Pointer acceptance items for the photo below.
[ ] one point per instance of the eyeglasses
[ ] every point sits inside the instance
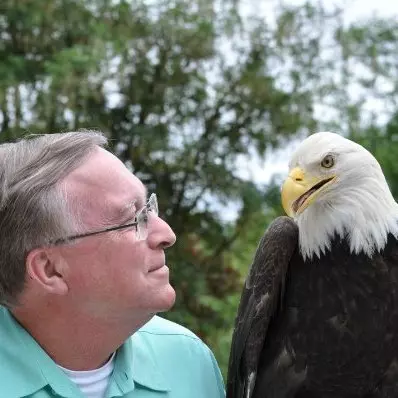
(140, 223)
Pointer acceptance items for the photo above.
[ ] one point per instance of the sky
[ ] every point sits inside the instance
(276, 162)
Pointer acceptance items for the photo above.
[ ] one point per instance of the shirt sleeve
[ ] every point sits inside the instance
(219, 388)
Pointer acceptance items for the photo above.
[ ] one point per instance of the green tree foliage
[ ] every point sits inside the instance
(183, 89)
(368, 86)
(368, 110)
(383, 144)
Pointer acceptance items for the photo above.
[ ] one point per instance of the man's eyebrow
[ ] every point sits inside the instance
(132, 206)
(121, 214)
(126, 211)
(129, 208)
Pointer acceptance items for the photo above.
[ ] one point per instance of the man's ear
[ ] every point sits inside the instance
(47, 269)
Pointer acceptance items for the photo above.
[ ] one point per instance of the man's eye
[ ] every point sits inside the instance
(143, 217)
(130, 222)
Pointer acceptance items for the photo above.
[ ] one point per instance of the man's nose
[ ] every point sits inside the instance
(160, 236)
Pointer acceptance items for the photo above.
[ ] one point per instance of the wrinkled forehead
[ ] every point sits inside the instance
(103, 190)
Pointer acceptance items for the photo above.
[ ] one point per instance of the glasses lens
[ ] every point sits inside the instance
(150, 209)
(153, 204)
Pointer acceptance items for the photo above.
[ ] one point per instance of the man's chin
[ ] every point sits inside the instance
(169, 299)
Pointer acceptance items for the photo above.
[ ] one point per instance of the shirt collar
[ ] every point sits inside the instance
(136, 364)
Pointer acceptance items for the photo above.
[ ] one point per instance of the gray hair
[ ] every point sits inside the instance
(33, 204)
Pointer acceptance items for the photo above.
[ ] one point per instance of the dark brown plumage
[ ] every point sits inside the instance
(320, 328)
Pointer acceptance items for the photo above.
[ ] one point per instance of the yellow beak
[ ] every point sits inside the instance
(300, 190)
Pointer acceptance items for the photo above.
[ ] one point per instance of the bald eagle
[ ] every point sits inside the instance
(318, 316)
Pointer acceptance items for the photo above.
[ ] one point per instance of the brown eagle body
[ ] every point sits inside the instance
(315, 329)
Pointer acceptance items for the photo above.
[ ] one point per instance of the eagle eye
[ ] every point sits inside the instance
(327, 161)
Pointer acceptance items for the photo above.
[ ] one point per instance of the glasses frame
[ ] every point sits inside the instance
(152, 204)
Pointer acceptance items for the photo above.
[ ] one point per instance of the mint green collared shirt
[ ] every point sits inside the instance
(161, 360)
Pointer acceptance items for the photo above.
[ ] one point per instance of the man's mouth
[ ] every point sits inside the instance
(153, 269)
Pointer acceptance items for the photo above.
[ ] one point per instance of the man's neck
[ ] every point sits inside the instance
(74, 341)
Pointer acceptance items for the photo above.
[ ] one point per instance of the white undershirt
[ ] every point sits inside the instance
(92, 383)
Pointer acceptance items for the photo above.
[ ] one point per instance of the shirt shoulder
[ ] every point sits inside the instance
(160, 326)
(185, 362)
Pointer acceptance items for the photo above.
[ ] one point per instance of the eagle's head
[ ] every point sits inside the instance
(336, 187)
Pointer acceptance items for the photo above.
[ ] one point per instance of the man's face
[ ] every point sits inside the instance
(113, 274)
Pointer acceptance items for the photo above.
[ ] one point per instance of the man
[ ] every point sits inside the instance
(82, 275)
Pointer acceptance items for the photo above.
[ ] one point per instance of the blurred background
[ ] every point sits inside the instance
(205, 100)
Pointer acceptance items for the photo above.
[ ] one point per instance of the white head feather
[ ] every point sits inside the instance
(358, 206)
